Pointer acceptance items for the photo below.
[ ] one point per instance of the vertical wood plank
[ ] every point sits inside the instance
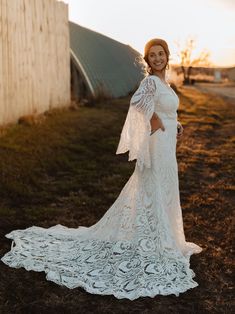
(4, 60)
(34, 57)
(1, 66)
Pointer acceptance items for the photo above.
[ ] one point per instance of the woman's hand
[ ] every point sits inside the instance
(180, 129)
(156, 123)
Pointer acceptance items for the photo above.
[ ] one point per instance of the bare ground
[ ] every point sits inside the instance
(225, 90)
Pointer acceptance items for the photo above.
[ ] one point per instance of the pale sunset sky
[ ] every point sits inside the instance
(210, 22)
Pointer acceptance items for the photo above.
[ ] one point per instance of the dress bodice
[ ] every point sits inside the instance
(166, 101)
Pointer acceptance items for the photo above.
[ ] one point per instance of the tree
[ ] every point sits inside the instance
(187, 61)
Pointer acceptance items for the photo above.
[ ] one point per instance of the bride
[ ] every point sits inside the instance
(138, 248)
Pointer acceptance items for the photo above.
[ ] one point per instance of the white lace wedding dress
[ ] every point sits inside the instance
(138, 247)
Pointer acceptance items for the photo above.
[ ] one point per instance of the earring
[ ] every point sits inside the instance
(167, 66)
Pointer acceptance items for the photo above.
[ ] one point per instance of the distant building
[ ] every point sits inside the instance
(217, 75)
(101, 66)
(231, 74)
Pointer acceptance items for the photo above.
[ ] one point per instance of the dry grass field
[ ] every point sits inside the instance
(64, 170)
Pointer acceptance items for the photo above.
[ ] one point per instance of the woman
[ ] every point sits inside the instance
(138, 247)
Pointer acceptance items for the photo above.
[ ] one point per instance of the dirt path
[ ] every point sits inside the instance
(227, 91)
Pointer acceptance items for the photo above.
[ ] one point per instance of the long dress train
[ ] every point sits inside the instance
(138, 247)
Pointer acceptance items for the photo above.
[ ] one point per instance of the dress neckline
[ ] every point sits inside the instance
(166, 84)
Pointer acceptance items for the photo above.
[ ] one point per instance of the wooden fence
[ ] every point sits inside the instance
(34, 57)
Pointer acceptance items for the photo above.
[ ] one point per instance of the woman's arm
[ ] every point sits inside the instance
(143, 99)
(156, 123)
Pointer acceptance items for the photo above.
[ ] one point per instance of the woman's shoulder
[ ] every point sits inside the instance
(150, 77)
(150, 81)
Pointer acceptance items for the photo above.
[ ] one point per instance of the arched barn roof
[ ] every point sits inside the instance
(104, 62)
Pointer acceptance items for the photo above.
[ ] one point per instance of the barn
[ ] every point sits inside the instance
(101, 66)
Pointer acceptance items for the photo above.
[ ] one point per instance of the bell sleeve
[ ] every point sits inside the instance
(135, 135)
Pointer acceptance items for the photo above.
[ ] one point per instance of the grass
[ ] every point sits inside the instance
(64, 170)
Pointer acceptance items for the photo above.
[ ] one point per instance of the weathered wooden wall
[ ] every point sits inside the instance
(34, 57)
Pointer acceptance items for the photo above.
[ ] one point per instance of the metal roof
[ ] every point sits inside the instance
(104, 62)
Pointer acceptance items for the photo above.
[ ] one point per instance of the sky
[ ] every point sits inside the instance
(210, 22)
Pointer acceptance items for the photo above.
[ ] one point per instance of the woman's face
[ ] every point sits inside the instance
(157, 58)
